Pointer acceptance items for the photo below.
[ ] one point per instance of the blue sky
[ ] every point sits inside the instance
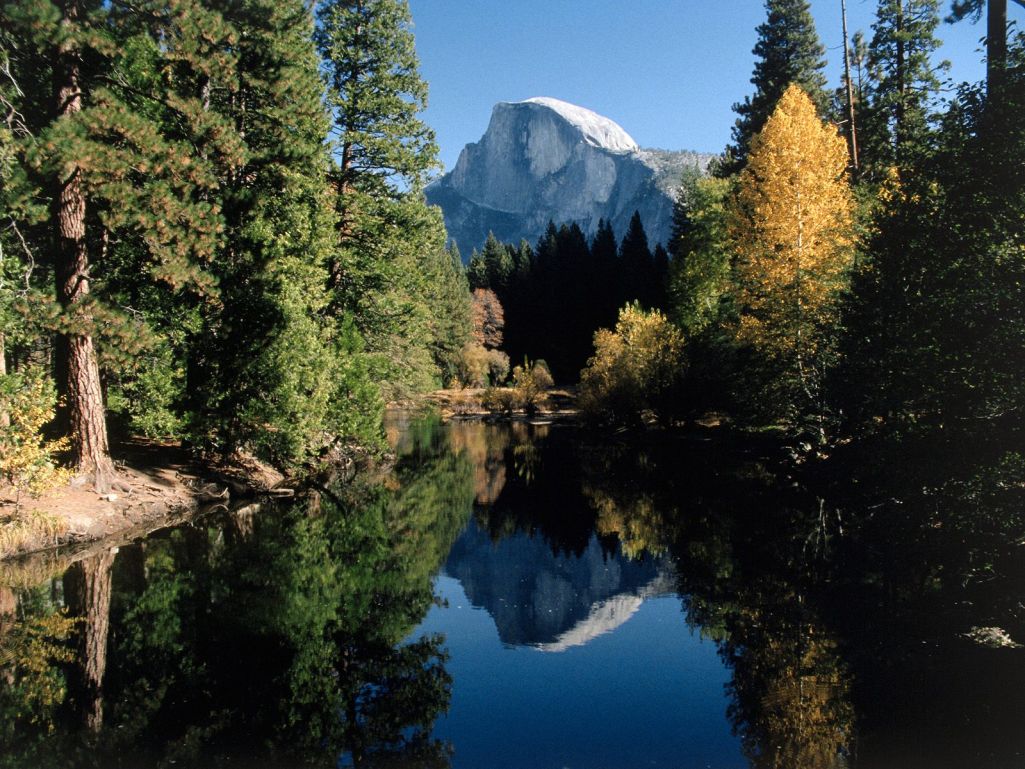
(668, 71)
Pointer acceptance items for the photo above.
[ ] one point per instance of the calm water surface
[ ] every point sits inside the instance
(524, 596)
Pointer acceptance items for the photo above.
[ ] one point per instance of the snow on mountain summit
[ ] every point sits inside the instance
(598, 130)
(544, 160)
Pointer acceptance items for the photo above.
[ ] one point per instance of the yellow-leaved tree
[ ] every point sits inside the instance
(638, 367)
(791, 228)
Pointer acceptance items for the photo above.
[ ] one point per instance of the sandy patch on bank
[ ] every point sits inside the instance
(156, 481)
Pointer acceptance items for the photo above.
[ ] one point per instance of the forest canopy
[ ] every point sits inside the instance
(215, 234)
(214, 223)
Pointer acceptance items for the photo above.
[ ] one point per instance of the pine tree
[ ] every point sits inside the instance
(636, 262)
(264, 373)
(546, 251)
(682, 203)
(498, 261)
(701, 291)
(660, 271)
(182, 57)
(380, 145)
(859, 61)
(603, 244)
(606, 278)
(518, 300)
(904, 84)
(791, 232)
(477, 270)
(524, 259)
(788, 52)
(19, 202)
(448, 293)
(700, 267)
(570, 300)
(116, 138)
(936, 317)
(375, 94)
(382, 154)
(996, 34)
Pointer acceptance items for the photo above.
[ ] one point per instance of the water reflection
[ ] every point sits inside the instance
(87, 587)
(552, 601)
(844, 606)
(265, 638)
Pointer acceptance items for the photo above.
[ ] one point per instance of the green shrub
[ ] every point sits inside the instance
(147, 398)
(479, 366)
(473, 365)
(501, 400)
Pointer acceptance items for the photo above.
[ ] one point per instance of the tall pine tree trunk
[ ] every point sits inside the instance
(852, 134)
(901, 76)
(5, 418)
(78, 370)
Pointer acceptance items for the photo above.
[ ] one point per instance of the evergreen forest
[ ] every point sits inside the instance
(214, 235)
(214, 229)
(766, 478)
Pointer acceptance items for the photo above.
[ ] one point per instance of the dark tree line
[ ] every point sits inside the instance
(558, 293)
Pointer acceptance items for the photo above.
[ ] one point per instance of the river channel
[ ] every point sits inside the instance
(531, 596)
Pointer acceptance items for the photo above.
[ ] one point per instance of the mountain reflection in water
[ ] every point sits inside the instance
(552, 600)
(708, 611)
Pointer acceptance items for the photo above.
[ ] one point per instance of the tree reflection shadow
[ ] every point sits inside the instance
(841, 597)
(269, 639)
(836, 594)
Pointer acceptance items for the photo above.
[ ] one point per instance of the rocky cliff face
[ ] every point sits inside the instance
(543, 159)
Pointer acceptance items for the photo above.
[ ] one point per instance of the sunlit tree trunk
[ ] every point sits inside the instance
(5, 418)
(78, 370)
(87, 588)
(852, 134)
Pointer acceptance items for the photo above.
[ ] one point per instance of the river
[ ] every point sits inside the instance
(536, 597)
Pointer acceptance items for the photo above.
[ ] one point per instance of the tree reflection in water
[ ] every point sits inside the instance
(841, 599)
(87, 596)
(839, 596)
(265, 639)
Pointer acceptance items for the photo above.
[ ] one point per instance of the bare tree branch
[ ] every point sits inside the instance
(30, 265)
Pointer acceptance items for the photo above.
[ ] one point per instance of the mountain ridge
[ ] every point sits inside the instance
(544, 159)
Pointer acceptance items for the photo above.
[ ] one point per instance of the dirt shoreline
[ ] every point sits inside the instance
(158, 485)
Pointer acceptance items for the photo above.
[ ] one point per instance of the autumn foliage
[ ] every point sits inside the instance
(636, 368)
(26, 458)
(791, 232)
(488, 318)
(480, 360)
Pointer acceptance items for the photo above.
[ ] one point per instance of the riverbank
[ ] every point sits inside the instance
(558, 403)
(158, 482)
